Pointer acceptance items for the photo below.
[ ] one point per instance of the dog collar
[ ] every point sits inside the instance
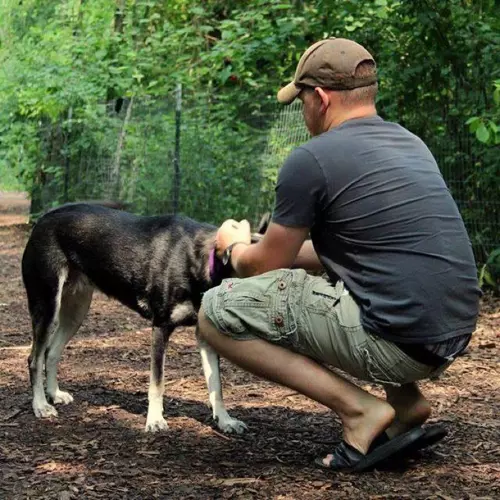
(218, 271)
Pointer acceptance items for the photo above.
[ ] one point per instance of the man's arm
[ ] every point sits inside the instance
(281, 247)
(300, 194)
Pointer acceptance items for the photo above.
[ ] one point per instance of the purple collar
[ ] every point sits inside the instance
(218, 271)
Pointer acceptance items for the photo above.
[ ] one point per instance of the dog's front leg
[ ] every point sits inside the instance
(155, 421)
(211, 370)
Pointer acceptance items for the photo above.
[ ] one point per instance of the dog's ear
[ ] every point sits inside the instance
(262, 227)
(264, 223)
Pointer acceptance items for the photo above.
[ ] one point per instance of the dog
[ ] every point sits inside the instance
(158, 266)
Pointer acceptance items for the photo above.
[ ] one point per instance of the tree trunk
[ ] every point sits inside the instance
(115, 168)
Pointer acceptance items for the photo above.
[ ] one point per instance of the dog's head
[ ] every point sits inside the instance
(218, 271)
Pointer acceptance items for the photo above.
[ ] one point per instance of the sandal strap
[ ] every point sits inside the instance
(345, 456)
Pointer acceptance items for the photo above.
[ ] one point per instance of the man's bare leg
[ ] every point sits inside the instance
(410, 405)
(363, 416)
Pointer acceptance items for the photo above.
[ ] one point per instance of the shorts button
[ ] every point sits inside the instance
(281, 285)
(278, 320)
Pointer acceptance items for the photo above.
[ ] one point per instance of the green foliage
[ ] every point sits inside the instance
(489, 277)
(64, 66)
(486, 127)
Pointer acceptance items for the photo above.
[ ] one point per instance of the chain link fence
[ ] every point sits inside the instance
(169, 155)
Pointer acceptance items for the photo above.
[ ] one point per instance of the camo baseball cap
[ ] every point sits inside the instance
(331, 64)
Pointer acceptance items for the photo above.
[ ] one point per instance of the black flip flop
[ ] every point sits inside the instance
(432, 435)
(346, 458)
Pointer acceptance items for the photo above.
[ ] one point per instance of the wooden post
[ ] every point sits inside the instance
(177, 152)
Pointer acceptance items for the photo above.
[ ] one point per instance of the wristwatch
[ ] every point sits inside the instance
(226, 256)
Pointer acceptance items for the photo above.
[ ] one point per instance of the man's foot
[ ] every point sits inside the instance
(346, 458)
(412, 408)
(432, 435)
(360, 431)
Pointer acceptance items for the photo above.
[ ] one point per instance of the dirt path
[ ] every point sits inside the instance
(96, 448)
(14, 208)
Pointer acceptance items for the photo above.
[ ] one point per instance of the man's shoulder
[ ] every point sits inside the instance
(351, 134)
(301, 155)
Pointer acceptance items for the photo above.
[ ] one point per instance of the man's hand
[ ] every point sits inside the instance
(231, 232)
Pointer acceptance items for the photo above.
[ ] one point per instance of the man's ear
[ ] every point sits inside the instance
(325, 99)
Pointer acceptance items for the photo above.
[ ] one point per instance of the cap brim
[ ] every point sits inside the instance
(288, 94)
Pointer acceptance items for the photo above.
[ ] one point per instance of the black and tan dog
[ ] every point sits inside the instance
(158, 266)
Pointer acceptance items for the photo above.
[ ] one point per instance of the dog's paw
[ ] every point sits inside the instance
(157, 425)
(62, 397)
(44, 411)
(231, 425)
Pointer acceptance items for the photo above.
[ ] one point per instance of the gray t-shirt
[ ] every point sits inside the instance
(382, 220)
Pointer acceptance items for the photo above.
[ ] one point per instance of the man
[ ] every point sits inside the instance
(401, 301)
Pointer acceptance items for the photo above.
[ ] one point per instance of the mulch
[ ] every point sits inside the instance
(97, 447)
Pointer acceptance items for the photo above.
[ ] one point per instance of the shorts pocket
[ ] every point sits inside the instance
(322, 296)
(348, 312)
(242, 311)
(282, 315)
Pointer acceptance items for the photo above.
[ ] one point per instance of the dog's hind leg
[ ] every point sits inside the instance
(75, 302)
(211, 370)
(155, 421)
(44, 303)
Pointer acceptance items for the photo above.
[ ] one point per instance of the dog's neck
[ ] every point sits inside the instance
(218, 271)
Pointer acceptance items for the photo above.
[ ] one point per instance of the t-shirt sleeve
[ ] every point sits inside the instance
(300, 188)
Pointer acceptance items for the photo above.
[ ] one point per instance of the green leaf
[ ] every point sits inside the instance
(225, 73)
(473, 123)
(496, 96)
(482, 133)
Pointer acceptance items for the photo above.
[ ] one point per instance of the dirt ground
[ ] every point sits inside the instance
(97, 447)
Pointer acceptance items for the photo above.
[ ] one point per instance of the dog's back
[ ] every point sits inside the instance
(128, 257)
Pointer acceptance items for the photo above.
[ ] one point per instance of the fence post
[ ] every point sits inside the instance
(67, 155)
(177, 152)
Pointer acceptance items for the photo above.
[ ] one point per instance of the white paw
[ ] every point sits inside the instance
(62, 397)
(44, 410)
(156, 425)
(230, 425)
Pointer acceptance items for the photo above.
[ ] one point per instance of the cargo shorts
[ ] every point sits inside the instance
(311, 316)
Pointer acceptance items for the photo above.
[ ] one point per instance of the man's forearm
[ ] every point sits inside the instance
(247, 260)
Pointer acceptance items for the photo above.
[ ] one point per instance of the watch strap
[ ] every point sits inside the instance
(226, 256)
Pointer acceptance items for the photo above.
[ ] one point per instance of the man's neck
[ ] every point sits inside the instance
(342, 116)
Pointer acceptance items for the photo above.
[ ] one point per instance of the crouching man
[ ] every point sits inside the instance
(401, 298)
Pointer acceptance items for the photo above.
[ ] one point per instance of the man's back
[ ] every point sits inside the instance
(386, 224)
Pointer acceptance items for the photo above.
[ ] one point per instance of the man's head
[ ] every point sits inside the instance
(336, 79)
